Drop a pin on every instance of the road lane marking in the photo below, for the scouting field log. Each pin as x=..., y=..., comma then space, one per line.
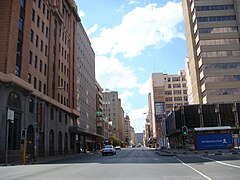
x=226, y=164
x=194, y=169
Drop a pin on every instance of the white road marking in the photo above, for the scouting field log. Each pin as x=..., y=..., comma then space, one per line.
x=194, y=169
x=226, y=164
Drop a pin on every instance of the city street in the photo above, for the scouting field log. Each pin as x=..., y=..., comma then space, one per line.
x=130, y=163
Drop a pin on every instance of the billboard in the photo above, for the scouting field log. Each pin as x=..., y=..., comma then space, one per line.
x=213, y=141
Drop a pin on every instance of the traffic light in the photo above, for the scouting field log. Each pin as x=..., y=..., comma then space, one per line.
x=184, y=130
x=23, y=134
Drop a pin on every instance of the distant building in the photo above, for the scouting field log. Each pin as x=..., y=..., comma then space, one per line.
x=212, y=34
x=139, y=138
x=167, y=92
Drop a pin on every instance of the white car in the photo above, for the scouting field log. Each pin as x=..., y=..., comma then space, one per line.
x=108, y=149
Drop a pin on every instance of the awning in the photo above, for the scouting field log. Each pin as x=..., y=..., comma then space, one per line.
x=78, y=130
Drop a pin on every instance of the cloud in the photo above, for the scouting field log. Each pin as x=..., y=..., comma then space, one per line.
x=133, y=2
x=141, y=28
x=92, y=30
x=112, y=74
x=124, y=96
x=138, y=119
x=145, y=87
x=81, y=13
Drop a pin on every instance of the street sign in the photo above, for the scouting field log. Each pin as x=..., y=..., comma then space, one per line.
x=35, y=125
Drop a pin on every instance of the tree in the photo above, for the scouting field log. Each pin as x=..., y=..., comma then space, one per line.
x=115, y=141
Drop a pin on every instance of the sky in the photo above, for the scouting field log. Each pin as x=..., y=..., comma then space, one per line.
x=133, y=39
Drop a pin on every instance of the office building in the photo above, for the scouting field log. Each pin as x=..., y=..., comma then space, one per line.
x=212, y=34
x=37, y=77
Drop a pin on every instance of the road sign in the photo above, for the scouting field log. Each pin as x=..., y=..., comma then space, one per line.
x=10, y=115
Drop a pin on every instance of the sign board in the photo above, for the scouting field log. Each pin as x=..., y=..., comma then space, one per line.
x=159, y=108
x=10, y=115
x=213, y=141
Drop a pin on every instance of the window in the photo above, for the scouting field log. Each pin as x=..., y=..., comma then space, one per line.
x=66, y=118
x=29, y=78
x=46, y=31
x=39, y=4
x=38, y=21
x=31, y=105
x=176, y=85
x=46, y=50
x=41, y=46
x=37, y=41
x=169, y=85
x=167, y=99
x=47, y=14
x=22, y=3
x=40, y=66
x=177, y=92
x=35, y=83
x=20, y=24
x=45, y=89
x=33, y=15
x=43, y=10
x=177, y=98
x=45, y=69
x=176, y=79
x=36, y=62
x=30, y=57
x=40, y=86
x=36, y=59
x=42, y=27
x=31, y=35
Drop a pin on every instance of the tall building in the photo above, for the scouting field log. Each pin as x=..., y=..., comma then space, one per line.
x=121, y=121
x=127, y=130
x=37, y=76
x=167, y=91
x=212, y=32
x=111, y=110
x=85, y=128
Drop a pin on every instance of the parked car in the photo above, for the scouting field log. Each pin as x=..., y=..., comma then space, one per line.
x=108, y=149
x=118, y=148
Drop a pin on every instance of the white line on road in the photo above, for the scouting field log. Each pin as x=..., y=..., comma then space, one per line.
x=194, y=169
x=230, y=165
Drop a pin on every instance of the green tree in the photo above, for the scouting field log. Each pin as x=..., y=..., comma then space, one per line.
x=115, y=141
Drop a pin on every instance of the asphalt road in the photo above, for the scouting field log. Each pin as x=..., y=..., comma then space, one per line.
x=136, y=163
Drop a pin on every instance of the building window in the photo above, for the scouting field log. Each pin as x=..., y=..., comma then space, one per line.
x=39, y=4
x=37, y=41
x=40, y=66
x=66, y=119
x=46, y=50
x=169, y=86
x=22, y=3
x=20, y=24
x=43, y=10
x=47, y=14
x=40, y=86
x=176, y=79
x=46, y=31
x=42, y=27
x=30, y=57
x=45, y=89
x=177, y=92
x=41, y=46
x=33, y=15
x=29, y=78
x=38, y=20
x=167, y=99
x=35, y=83
x=31, y=35
x=31, y=105
x=36, y=62
x=176, y=85
x=45, y=69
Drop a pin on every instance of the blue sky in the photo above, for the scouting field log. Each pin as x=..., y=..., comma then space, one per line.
x=131, y=40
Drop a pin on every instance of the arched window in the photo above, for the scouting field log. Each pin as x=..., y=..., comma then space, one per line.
x=51, y=142
x=59, y=142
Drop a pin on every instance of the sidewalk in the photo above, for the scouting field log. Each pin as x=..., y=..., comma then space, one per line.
x=48, y=159
x=179, y=152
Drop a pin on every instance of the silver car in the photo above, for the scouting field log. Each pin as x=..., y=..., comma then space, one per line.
x=108, y=149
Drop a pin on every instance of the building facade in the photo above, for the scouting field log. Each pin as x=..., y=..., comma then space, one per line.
x=37, y=77
x=212, y=33
x=167, y=92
